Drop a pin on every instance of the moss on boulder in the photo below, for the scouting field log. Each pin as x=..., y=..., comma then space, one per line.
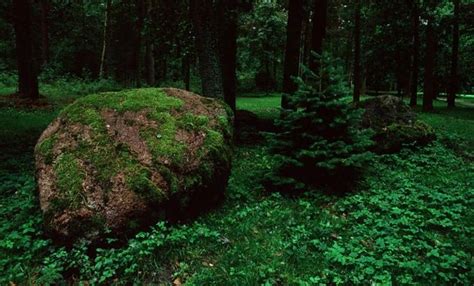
x=117, y=162
x=395, y=124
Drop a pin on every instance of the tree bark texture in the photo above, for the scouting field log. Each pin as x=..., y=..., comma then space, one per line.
x=292, y=52
x=27, y=69
x=204, y=21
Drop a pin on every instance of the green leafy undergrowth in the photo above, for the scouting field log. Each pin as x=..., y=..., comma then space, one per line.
x=411, y=222
x=455, y=128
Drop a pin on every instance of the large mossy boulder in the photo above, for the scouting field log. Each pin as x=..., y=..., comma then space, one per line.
x=113, y=163
x=395, y=124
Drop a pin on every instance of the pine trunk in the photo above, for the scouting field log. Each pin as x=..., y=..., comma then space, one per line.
x=44, y=15
x=415, y=55
x=203, y=14
x=430, y=58
x=137, y=45
x=357, y=48
x=27, y=70
x=186, y=65
x=454, y=82
x=105, y=37
x=228, y=49
x=318, y=33
x=149, y=50
x=292, y=52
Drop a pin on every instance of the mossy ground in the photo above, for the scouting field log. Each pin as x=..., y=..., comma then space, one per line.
x=412, y=223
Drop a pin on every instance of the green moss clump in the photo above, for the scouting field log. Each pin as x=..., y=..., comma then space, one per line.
x=139, y=181
x=45, y=148
x=213, y=140
x=213, y=143
x=162, y=142
x=193, y=122
x=70, y=177
x=170, y=178
x=129, y=100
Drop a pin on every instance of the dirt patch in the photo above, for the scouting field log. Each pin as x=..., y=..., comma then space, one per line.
x=122, y=204
x=17, y=101
x=125, y=128
x=46, y=182
x=194, y=141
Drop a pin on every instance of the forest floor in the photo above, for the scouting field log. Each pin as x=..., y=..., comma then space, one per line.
x=410, y=221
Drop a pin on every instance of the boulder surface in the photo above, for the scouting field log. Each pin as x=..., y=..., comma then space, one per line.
x=395, y=124
x=114, y=163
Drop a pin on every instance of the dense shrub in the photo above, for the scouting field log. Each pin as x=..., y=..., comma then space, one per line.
x=319, y=142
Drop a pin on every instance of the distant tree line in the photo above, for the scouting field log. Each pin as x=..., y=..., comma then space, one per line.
x=405, y=46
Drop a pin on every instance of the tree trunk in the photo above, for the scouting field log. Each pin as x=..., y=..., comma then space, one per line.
x=164, y=69
x=454, y=81
x=44, y=15
x=149, y=49
x=150, y=64
x=105, y=38
x=137, y=45
x=430, y=61
x=203, y=14
x=27, y=70
x=306, y=40
x=292, y=53
x=415, y=55
x=227, y=24
x=318, y=33
x=186, y=65
x=357, y=35
x=363, y=86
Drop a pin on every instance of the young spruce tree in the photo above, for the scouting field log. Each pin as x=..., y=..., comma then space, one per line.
x=320, y=143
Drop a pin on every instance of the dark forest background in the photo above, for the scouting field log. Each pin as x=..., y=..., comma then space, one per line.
x=218, y=47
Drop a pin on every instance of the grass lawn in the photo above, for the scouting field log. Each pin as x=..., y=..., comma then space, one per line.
x=410, y=221
x=267, y=107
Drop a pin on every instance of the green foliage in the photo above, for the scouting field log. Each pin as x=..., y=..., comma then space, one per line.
x=261, y=39
x=411, y=223
x=60, y=90
x=319, y=142
x=22, y=247
x=8, y=82
x=66, y=89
